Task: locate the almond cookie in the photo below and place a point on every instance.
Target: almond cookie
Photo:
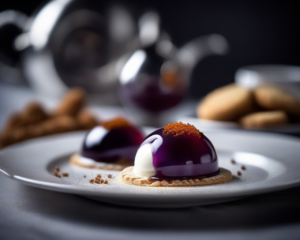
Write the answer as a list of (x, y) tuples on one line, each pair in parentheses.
[(128, 176), (264, 119), (226, 103), (275, 98)]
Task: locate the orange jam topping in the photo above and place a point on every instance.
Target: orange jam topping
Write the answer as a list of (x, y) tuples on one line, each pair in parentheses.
[(178, 129), (117, 122)]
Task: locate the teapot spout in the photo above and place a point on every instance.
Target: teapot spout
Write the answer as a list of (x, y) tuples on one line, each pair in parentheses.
[(191, 53)]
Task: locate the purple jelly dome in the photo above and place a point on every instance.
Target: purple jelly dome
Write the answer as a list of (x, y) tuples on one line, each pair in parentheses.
[(182, 157), (109, 146)]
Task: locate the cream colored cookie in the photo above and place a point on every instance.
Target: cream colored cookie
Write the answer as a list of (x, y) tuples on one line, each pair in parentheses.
[(226, 103), (116, 166), (264, 119), (275, 98), (129, 177)]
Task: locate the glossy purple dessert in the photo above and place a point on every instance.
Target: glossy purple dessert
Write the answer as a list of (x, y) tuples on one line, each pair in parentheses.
[(113, 141), (180, 151)]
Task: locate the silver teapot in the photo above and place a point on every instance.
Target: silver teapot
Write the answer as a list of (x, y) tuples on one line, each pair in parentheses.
[(68, 43), (156, 76)]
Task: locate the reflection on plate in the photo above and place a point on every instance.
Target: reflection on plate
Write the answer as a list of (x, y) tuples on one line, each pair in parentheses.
[(270, 161), (208, 125)]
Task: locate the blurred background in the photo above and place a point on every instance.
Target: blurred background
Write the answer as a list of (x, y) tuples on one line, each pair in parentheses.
[(53, 45), (258, 32)]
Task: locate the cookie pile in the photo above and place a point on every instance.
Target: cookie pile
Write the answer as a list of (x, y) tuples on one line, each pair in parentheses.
[(263, 106), (34, 121)]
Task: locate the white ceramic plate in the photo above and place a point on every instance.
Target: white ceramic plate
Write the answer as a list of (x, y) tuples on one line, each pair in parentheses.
[(272, 163)]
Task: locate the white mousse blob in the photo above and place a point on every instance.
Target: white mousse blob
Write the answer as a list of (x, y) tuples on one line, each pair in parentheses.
[(143, 162), (86, 161), (91, 163)]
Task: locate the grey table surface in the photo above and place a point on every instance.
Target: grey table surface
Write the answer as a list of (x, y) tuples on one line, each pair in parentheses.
[(32, 213)]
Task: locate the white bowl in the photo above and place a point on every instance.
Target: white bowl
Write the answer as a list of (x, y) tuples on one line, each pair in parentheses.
[(288, 77)]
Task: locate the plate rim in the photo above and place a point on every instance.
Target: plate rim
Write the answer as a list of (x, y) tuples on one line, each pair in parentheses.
[(63, 187)]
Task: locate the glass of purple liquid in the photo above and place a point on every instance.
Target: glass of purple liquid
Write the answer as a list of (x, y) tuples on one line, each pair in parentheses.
[(156, 77), (150, 84)]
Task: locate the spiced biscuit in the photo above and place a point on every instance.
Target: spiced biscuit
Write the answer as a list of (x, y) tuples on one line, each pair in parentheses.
[(34, 121), (129, 177), (34, 113), (86, 120), (72, 103), (226, 103), (59, 124), (264, 119), (11, 137), (275, 98), (14, 121), (51, 126), (116, 166), (14, 135)]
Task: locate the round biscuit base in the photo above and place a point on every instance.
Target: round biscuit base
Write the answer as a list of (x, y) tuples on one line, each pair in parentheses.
[(117, 166), (129, 177)]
